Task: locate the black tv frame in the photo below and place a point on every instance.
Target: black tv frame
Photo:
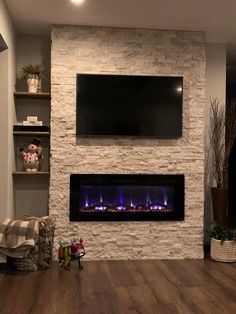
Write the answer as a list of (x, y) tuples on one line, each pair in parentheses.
[(83, 135)]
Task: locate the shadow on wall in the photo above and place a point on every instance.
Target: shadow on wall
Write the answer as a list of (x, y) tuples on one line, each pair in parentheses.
[(3, 45), (124, 141)]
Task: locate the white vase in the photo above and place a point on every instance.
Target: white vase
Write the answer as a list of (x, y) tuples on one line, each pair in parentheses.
[(32, 83)]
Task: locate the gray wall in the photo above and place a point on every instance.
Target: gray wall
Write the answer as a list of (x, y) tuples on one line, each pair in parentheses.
[(7, 81), (4, 77), (35, 50), (7, 72), (215, 87)]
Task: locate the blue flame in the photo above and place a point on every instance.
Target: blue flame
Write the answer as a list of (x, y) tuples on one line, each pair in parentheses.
[(100, 207), (156, 207), (86, 200), (148, 201), (121, 207), (164, 195), (131, 203), (121, 197), (127, 197)]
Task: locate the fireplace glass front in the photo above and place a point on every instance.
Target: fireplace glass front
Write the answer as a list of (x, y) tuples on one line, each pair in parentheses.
[(108, 197), (102, 197)]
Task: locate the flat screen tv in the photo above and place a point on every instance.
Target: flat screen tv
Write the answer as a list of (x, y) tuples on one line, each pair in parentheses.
[(129, 105)]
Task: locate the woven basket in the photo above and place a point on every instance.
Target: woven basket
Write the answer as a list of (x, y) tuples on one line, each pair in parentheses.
[(40, 256), (225, 252)]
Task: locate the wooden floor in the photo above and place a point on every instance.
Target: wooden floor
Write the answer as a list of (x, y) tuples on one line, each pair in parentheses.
[(170, 286)]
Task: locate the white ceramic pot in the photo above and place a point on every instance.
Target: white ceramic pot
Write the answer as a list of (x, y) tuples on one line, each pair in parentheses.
[(32, 83)]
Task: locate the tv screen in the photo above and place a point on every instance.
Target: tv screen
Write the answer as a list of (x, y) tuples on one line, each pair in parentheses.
[(125, 105)]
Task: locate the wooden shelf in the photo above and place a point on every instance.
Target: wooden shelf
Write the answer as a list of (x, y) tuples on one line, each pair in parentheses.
[(30, 173), (32, 95), (30, 133)]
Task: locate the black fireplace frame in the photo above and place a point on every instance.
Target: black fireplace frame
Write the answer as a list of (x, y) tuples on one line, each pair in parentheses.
[(177, 181)]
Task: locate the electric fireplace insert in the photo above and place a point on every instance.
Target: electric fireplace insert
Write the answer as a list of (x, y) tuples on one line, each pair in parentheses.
[(109, 197)]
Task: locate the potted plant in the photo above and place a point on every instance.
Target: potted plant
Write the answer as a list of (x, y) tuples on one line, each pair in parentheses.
[(33, 74), (222, 135), (223, 243)]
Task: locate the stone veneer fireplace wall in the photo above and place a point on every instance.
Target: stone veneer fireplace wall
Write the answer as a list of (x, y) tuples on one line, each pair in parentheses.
[(78, 49)]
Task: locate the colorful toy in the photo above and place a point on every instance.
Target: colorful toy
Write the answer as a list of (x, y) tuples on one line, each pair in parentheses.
[(68, 252), (32, 156)]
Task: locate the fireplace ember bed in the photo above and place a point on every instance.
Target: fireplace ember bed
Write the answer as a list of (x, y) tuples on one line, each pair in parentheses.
[(123, 197)]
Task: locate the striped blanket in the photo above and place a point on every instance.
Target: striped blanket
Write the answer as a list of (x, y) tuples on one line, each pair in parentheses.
[(17, 237)]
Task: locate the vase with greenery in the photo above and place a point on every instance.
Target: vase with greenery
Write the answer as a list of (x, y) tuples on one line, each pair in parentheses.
[(222, 136), (33, 75), (223, 243)]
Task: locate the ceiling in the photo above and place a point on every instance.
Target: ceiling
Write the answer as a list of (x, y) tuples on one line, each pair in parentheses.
[(216, 17)]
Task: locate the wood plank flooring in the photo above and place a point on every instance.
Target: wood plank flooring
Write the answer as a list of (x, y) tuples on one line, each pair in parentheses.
[(107, 287)]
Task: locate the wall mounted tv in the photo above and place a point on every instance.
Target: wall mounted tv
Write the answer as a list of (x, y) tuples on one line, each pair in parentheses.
[(129, 105)]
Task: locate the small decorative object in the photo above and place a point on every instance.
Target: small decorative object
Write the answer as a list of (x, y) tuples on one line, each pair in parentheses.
[(32, 120), (33, 75), (69, 252), (33, 155), (223, 244)]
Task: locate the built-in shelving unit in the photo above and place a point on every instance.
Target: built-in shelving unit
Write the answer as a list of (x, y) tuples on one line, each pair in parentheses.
[(30, 133), (31, 189), (32, 95), (17, 173)]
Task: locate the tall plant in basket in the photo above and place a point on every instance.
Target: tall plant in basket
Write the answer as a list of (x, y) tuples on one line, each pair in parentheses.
[(222, 135)]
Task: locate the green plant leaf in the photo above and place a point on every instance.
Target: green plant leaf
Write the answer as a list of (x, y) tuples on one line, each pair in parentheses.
[(36, 70)]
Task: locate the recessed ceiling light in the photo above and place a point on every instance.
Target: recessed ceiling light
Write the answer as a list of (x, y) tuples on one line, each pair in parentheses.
[(77, 1)]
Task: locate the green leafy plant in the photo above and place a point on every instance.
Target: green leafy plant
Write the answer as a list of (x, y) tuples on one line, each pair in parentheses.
[(33, 70), (219, 233)]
